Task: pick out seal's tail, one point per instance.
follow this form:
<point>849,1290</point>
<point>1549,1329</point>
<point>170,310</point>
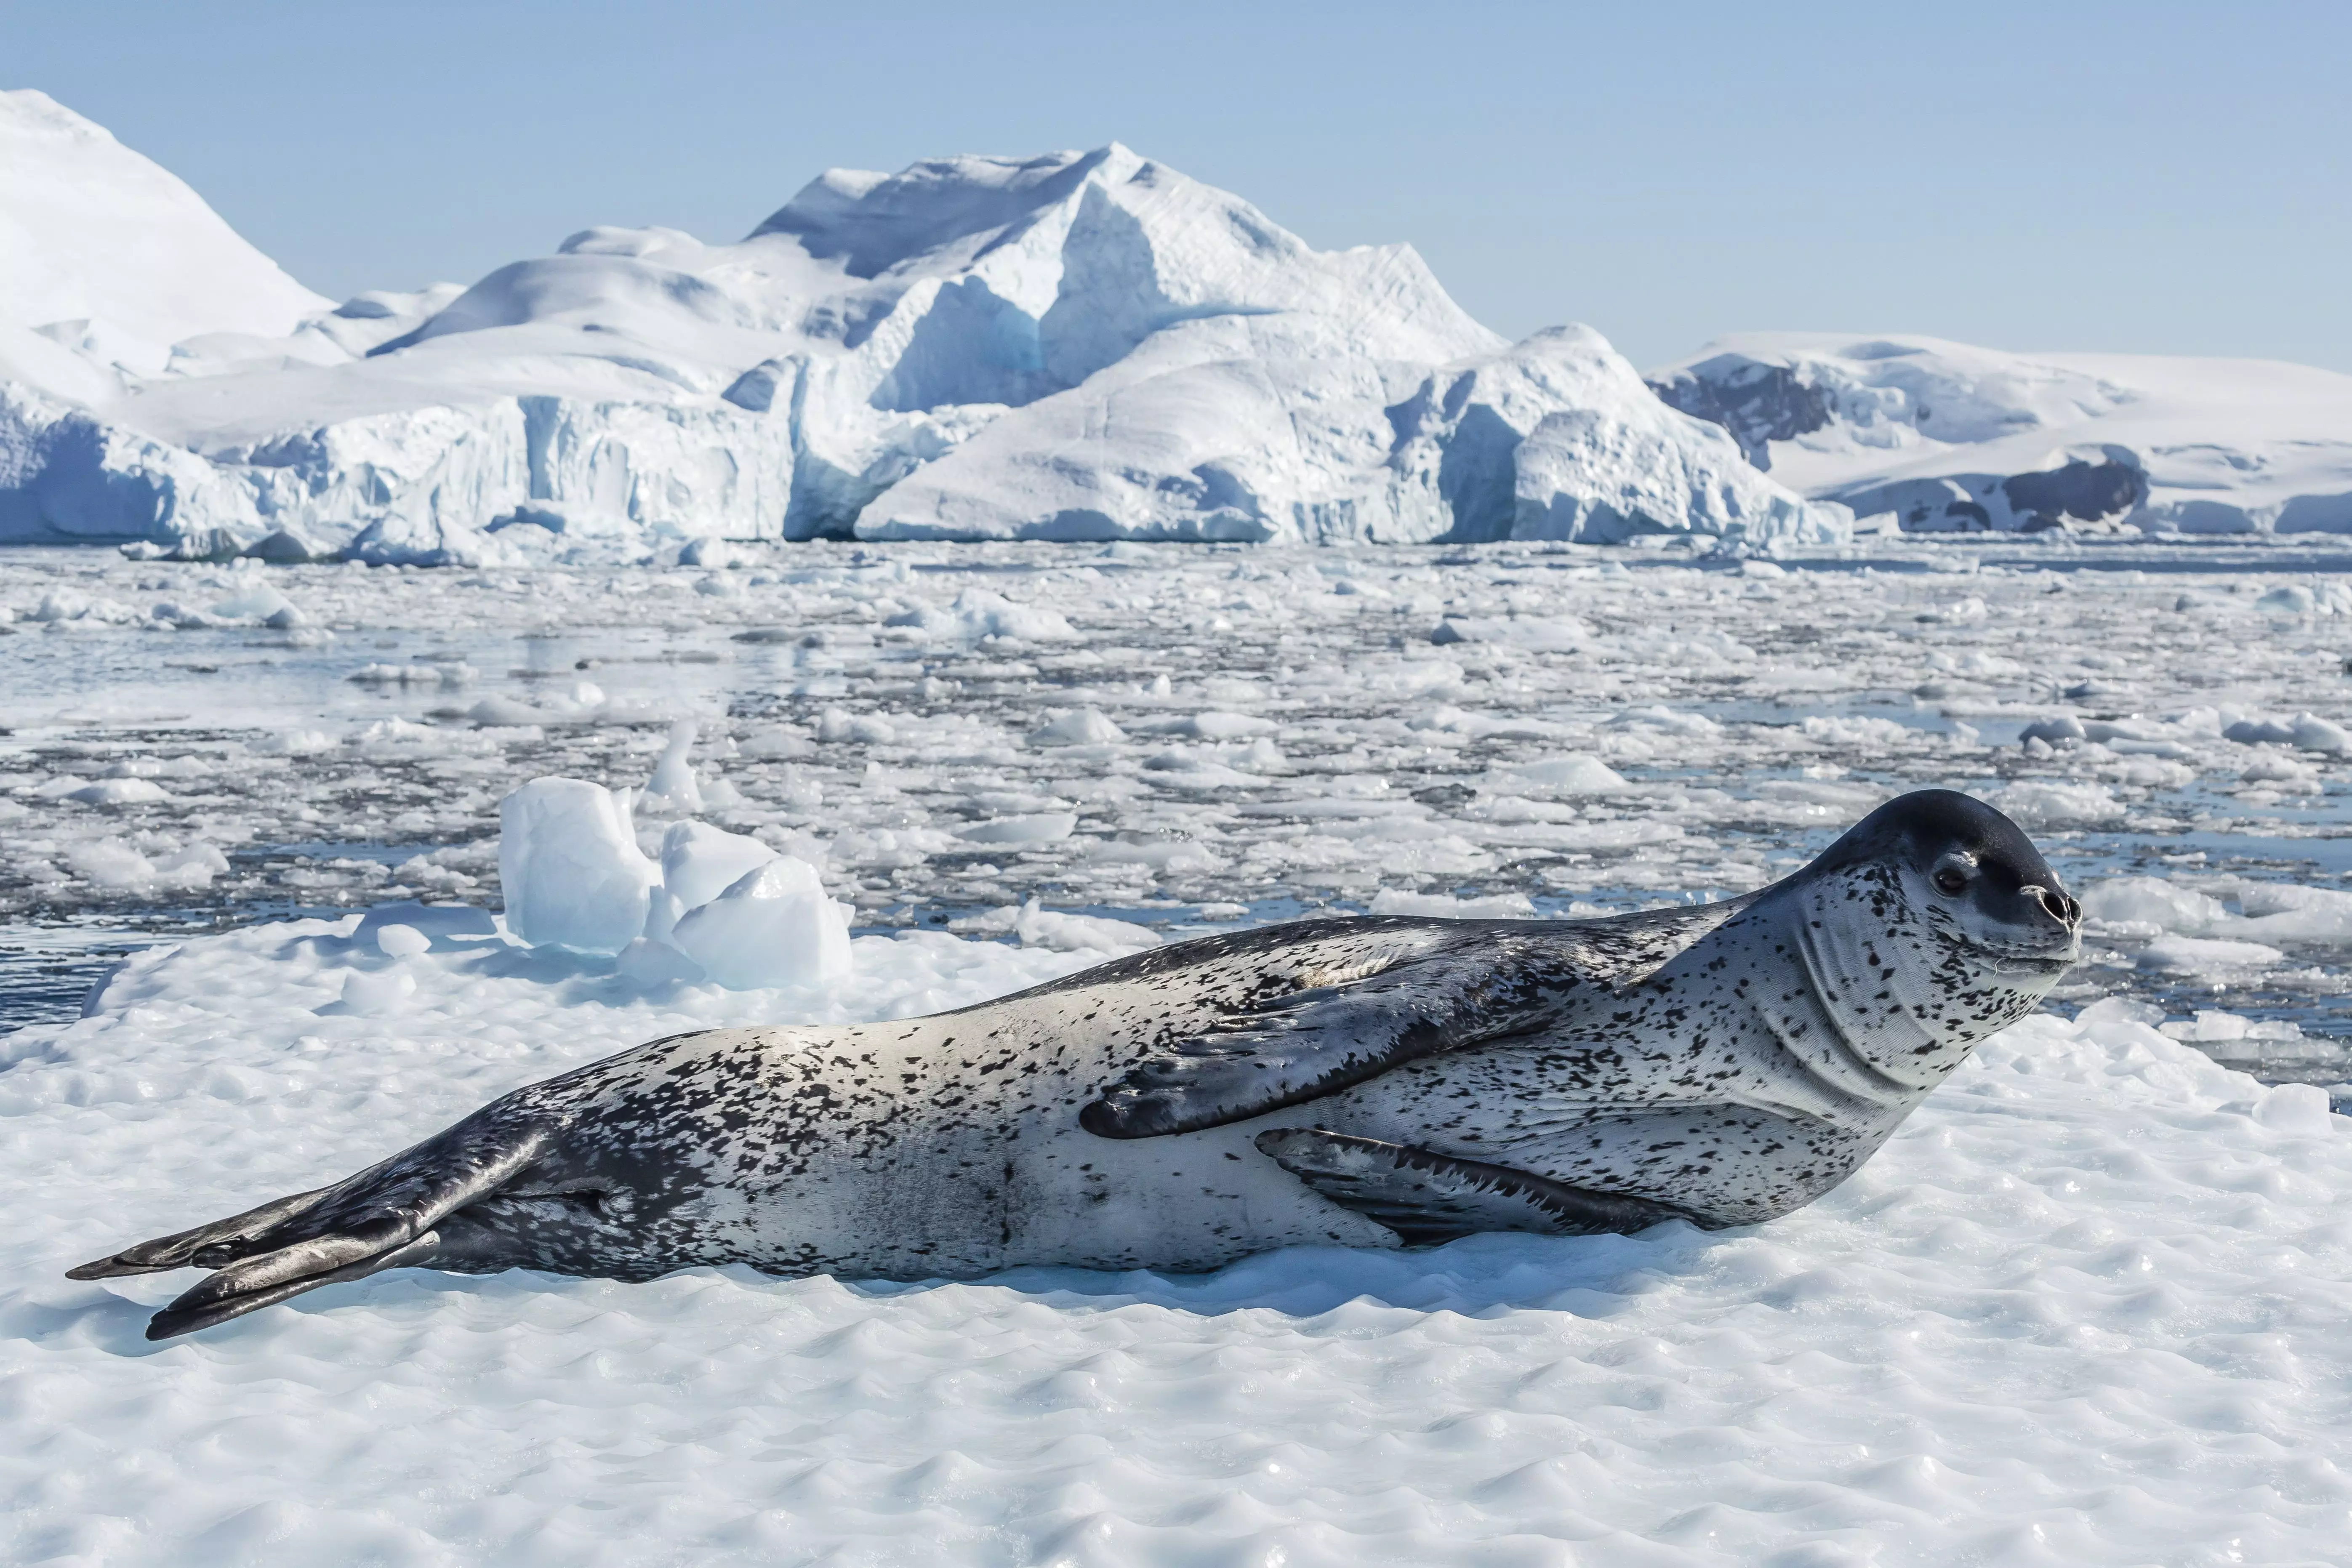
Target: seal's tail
<point>383,1217</point>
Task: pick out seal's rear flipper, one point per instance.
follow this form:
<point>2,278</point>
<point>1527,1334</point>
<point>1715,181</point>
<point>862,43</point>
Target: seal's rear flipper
<point>382,1218</point>
<point>223,1237</point>
<point>1427,1198</point>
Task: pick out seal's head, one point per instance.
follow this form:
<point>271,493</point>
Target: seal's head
<point>1933,923</point>
<point>1972,874</point>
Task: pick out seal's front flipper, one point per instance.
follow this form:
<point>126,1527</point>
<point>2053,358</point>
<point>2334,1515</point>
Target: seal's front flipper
<point>1427,1198</point>
<point>383,1217</point>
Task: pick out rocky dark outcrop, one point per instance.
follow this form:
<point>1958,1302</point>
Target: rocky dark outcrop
<point>1758,403</point>
<point>2086,492</point>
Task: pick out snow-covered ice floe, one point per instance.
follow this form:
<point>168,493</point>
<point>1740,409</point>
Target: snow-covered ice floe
<point>2087,1307</point>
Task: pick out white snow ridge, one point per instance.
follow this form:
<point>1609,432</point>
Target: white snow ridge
<point>1077,346</point>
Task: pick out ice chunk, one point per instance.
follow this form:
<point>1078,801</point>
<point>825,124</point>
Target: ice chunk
<point>698,863</point>
<point>977,613</point>
<point>1039,927</point>
<point>294,743</point>
<point>2201,955</point>
<point>569,860</point>
<point>111,863</point>
<point>397,940</point>
<point>2046,802</point>
<point>2314,734</point>
<point>834,726</point>
<point>255,601</point>
<point>1568,775</point>
<point>2152,900</point>
<point>1493,907</point>
<point>772,926</point>
<point>1079,726</point>
<point>1039,828</point>
<point>2052,731</point>
<point>120,792</point>
<point>672,788</point>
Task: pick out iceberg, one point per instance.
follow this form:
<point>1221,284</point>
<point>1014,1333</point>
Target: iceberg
<point>1081,345</point>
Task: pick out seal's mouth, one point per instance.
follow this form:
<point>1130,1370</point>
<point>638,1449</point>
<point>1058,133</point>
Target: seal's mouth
<point>2038,953</point>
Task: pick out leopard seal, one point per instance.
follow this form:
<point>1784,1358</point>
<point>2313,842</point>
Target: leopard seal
<point>1371,1082</point>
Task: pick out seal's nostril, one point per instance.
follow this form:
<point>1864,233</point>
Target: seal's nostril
<point>2061,907</point>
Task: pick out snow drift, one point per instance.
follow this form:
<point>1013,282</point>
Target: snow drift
<point>1080,345</point>
<point>1944,436</point>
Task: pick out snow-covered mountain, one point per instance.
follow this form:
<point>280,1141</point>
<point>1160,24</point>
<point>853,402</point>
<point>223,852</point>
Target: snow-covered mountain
<point>1081,345</point>
<point>1945,435</point>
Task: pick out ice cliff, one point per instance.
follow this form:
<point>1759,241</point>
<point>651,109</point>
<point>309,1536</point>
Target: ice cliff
<point>1081,345</point>
<point>1943,435</point>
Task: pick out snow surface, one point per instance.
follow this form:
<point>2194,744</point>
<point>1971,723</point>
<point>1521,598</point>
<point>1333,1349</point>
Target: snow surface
<point>2087,1307</point>
<point>1940,435</point>
<point>1076,346</point>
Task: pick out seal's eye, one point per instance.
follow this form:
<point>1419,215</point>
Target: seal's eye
<point>1950,880</point>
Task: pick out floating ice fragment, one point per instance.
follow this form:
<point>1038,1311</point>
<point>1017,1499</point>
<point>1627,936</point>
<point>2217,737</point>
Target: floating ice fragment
<point>978,613</point>
<point>1039,827</point>
<point>2042,803</point>
<point>1568,775</point>
<point>2202,955</point>
<point>568,861</point>
<point>2152,900</point>
<point>672,788</point>
<point>835,726</point>
<point>255,602</point>
<point>120,792</point>
<point>295,742</point>
<point>2052,731</point>
<point>1492,907</point>
<point>1079,726</point>
<point>111,863</point>
<point>773,926</point>
<point>1037,926</point>
<point>415,675</point>
<point>1554,633</point>
<point>2315,734</point>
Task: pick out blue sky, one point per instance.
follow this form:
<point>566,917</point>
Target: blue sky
<point>2153,177</point>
